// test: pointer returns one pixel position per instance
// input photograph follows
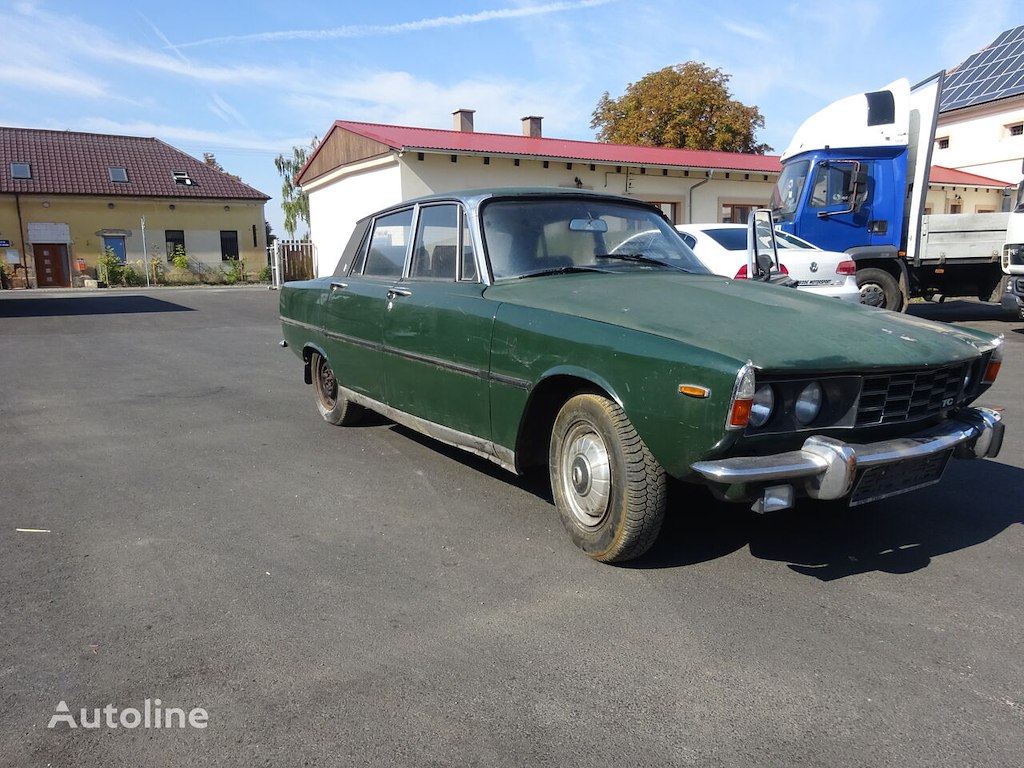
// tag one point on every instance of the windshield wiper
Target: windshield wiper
(558, 271)
(640, 259)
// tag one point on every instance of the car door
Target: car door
(437, 328)
(356, 304)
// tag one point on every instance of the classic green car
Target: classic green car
(527, 326)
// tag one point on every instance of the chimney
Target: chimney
(462, 120)
(531, 126)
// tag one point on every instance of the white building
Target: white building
(361, 167)
(981, 118)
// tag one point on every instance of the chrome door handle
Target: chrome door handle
(336, 286)
(394, 292)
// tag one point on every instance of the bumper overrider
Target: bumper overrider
(826, 468)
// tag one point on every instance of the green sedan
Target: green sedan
(577, 331)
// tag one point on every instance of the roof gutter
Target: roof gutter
(689, 204)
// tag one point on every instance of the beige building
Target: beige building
(66, 197)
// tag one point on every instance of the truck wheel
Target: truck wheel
(335, 408)
(879, 289)
(609, 490)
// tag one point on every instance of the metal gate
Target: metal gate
(292, 260)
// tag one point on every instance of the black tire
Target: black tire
(335, 408)
(879, 289)
(609, 490)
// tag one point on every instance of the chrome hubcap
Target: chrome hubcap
(328, 385)
(586, 475)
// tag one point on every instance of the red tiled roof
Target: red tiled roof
(73, 163)
(404, 138)
(432, 139)
(953, 177)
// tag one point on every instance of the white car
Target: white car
(723, 249)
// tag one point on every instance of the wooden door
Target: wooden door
(51, 266)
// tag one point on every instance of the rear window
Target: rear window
(732, 239)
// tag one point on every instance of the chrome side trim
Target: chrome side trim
(499, 454)
(465, 370)
(828, 467)
(299, 324)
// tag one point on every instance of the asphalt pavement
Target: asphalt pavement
(178, 524)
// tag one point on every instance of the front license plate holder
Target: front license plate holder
(887, 480)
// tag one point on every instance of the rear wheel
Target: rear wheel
(879, 289)
(333, 406)
(609, 490)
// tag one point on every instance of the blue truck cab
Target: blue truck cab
(854, 179)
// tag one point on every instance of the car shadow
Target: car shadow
(824, 540)
(86, 305)
(831, 541)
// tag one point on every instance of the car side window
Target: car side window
(435, 251)
(389, 242)
(467, 269)
(830, 184)
(355, 252)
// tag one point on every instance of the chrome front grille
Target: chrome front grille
(891, 398)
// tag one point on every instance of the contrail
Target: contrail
(373, 30)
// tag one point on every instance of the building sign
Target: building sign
(5, 243)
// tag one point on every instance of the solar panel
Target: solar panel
(994, 72)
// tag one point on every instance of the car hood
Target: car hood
(772, 326)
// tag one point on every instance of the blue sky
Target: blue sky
(247, 81)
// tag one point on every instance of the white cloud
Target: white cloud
(32, 77)
(749, 31)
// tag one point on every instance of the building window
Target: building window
(118, 174)
(182, 177)
(228, 245)
(174, 241)
(21, 170)
(733, 213)
(115, 245)
(942, 142)
(1015, 130)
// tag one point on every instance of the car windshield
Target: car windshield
(786, 195)
(534, 236)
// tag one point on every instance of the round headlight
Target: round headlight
(762, 405)
(808, 404)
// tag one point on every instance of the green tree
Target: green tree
(211, 160)
(294, 202)
(686, 105)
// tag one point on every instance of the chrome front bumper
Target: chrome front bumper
(826, 468)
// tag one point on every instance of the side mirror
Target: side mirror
(762, 250)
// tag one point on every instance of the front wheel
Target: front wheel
(333, 406)
(879, 289)
(609, 490)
